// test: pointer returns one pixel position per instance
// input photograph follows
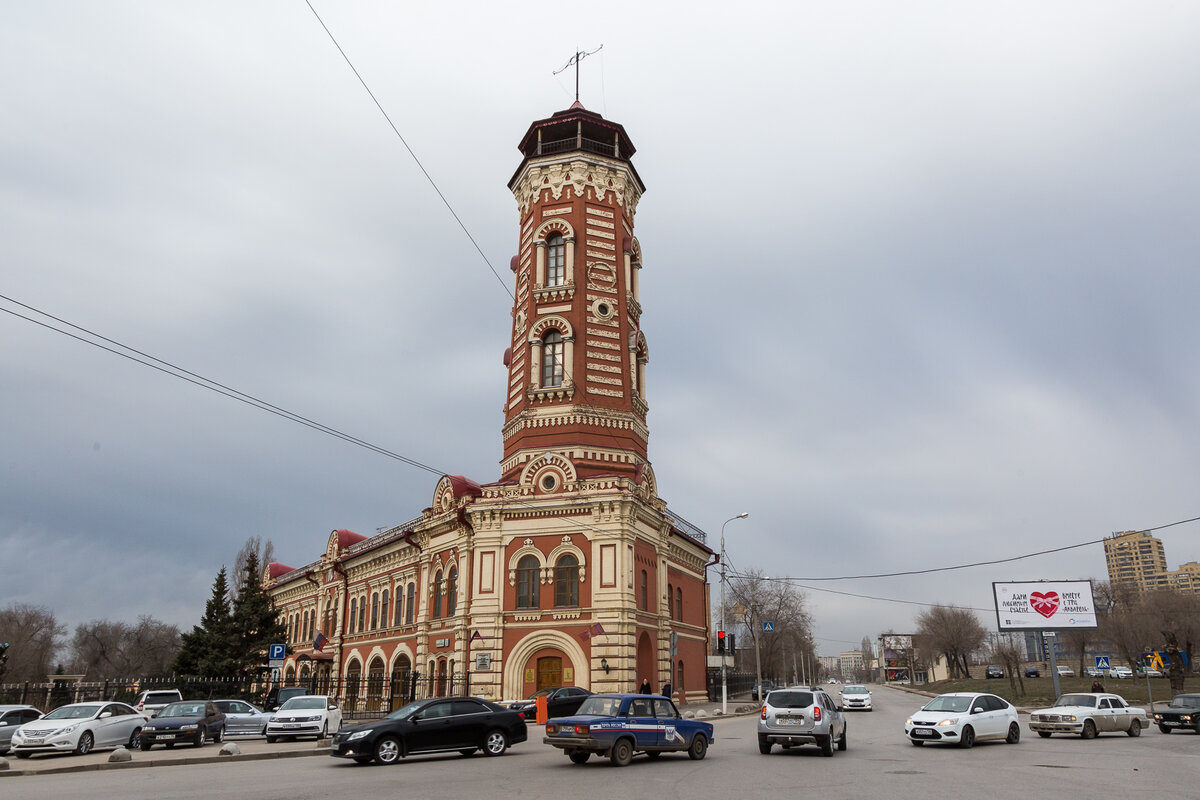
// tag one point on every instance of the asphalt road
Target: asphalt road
(879, 763)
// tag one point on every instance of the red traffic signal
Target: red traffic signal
(720, 641)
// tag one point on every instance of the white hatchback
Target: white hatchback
(308, 715)
(963, 718)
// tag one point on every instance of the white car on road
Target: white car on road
(963, 718)
(80, 728)
(308, 715)
(856, 697)
(1088, 714)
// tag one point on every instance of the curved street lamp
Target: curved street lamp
(724, 685)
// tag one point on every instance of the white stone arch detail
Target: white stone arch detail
(568, 548)
(443, 495)
(353, 656)
(531, 476)
(375, 651)
(554, 225)
(515, 663)
(649, 487)
(554, 321)
(405, 651)
(528, 548)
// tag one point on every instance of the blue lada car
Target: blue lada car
(619, 725)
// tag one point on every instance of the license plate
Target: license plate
(1170, 723)
(923, 733)
(289, 724)
(166, 736)
(33, 741)
(789, 721)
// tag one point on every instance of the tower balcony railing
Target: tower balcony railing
(609, 149)
(688, 528)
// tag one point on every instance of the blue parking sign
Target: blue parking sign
(276, 651)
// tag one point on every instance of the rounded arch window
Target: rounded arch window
(527, 582)
(556, 260)
(552, 359)
(566, 581)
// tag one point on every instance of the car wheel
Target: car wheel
(1089, 729)
(23, 755)
(387, 750)
(202, 736)
(826, 745)
(699, 747)
(764, 745)
(1135, 727)
(135, 739)
(917, 743)
(324, 731)
(579, 756)
(622, 753)
(967, 739)
(495, 743)
(842, 740)
(85, 744)
(272, 739)
(1163, 729)
(1014, 733)
(220, 735)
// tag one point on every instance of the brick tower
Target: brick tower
(576, 403)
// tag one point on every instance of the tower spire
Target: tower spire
(575, 59)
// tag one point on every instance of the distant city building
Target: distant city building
(831, 666)
(850, 662)
(566, 569)
(1138, 560)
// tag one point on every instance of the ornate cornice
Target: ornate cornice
(581, 172)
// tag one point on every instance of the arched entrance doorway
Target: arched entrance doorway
(401, 687)
(376, 673)
(549, 672)
(645, 663)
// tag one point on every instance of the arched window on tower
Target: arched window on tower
(566, 581)
(679, 603)
(552, 359)
(556, 260)
(527, 582)
(452, 592)
(644, 597)
(410, 604)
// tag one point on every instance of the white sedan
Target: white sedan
(856, 697)
(308, 715)
(79, 728)
(1088, 714)
(963, 718)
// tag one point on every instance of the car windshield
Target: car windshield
(854, 690)
(1187, 701)
(303, 702)
(1085, 700)
(790, 699)
(947, 702)
(401, 713)
(182, 710)
(73, 712)
(600, 706)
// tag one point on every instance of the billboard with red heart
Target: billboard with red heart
(1045, 606)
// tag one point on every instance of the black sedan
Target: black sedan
(1183, 713)
(191, 722)
(561, 701)
(440, 725)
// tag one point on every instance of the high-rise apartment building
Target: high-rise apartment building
(1137, 559)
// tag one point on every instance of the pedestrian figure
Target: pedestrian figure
(666, 689)
(645, 686)
(1097, 686)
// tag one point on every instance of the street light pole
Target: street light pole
(724, 684)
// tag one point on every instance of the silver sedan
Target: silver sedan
(242, 718)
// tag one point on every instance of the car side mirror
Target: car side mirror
(105, 715)
(332, 708)
(276, 708)
(977, 710)
(839, 708)
(415, 718)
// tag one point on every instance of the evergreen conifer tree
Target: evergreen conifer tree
(255, 622)
(208, 650)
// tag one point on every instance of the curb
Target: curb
(104, 765)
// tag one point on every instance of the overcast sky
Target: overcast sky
(920, 280)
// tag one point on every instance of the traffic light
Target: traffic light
(721, 642)
(732, 645)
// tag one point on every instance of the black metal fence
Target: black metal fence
(362, 696)
(735, 682)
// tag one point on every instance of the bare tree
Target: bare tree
(1173, 620)
(756, 599)
(264, 551)
(104, 649)
(34, 637)
(954, 632)
(1007, 653)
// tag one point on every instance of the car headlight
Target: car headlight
(948, 722)
(1070, 718)
(908, 721)
(66, 730)
(1158, 716)
(357, 735)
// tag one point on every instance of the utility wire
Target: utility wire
(399, 136)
